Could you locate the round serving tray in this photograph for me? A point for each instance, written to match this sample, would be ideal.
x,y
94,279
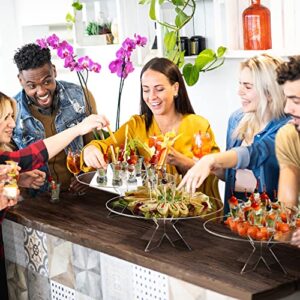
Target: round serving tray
x,y
225,233
127,213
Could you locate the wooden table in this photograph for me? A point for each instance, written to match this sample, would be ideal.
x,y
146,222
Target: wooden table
x,y
213,262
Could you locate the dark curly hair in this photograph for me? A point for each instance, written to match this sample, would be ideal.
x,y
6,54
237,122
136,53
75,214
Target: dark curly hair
x,y
171,71
31,56
289,70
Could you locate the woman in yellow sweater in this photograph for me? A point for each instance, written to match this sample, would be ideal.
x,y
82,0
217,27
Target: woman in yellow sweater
x,y
164,106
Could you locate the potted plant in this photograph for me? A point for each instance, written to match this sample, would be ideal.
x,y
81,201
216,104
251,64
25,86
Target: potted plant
x,y
100,33
184,11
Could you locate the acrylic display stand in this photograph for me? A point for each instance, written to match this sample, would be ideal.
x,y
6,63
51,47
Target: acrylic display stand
x,y
262,251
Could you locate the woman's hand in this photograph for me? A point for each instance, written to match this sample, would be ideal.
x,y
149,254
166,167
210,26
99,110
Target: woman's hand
x,y
91,122
7,202
198,173
296,238
32,179
93,157
179,160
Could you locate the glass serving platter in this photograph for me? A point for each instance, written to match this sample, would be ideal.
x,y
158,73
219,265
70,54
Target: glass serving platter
x,y
91,179
163,227
261,249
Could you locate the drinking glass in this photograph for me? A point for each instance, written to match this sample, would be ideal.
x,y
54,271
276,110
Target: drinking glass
x,y
202,144
116,169
132,175
102,176
138,166
151,173
73,162
55,191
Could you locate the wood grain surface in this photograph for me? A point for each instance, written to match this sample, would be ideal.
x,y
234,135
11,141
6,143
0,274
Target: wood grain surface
x,y
213,263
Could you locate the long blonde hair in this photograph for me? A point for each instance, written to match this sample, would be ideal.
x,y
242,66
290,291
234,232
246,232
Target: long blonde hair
x,y
270,93
5,103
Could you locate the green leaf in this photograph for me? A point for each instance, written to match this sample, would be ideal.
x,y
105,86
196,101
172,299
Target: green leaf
x,y
204,57
178,2
170,40
173,55
77,5
181,18
152,12
181,59
190,74
221,50
161,2
142,2
70,18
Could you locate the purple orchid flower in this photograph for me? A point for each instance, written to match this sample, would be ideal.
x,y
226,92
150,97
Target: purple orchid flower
x,y
53,41
64,49
140,41
42,43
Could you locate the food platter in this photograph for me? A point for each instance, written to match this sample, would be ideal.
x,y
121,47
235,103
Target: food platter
x,y
216,208
164,220
163,227
261,249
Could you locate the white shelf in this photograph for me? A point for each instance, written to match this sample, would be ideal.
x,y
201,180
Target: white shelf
x,y
250,53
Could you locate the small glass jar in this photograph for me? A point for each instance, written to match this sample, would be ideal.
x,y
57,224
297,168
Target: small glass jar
x,y
197,44
185,45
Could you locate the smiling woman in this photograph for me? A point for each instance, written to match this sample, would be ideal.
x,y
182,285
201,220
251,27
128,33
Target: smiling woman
x,y
7,122
165,106
250,160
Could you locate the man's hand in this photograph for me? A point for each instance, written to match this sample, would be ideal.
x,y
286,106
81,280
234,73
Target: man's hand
x,y
32,179
92,122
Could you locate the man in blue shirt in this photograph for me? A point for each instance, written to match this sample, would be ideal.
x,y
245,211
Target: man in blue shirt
x,y
47,106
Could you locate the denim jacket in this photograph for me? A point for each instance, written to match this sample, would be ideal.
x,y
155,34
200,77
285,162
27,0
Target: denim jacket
x,y
259,156
70,111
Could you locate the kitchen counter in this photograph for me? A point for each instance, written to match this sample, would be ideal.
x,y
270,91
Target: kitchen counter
x,y
213,263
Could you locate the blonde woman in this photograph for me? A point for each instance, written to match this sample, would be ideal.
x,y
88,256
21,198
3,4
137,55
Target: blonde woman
x,y
250,159
31,157
38,153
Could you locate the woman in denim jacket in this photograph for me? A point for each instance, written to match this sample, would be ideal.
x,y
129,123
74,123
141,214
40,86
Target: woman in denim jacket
x,y
250,160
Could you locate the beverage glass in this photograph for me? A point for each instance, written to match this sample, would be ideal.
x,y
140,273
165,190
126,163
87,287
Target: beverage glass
x,y
73,162
132,176
138,166
116,169
151,173
102,176
55,191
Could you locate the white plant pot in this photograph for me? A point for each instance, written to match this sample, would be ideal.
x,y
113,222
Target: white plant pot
x,y
93,40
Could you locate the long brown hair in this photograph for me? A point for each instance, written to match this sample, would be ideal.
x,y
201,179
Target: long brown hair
x,y
170,70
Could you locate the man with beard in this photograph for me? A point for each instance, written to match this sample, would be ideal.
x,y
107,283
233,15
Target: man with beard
x,y
288,138
47,106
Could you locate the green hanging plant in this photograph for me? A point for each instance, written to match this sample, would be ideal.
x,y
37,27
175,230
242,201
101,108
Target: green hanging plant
x,y
207,60
70,18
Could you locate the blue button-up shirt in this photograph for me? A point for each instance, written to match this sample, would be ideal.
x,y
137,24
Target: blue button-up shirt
x,y
259,157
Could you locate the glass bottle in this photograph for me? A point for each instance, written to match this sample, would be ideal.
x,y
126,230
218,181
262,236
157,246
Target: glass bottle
x,y
257,27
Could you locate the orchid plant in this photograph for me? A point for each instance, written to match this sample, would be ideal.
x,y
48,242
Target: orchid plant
x,y
82,66
123,65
